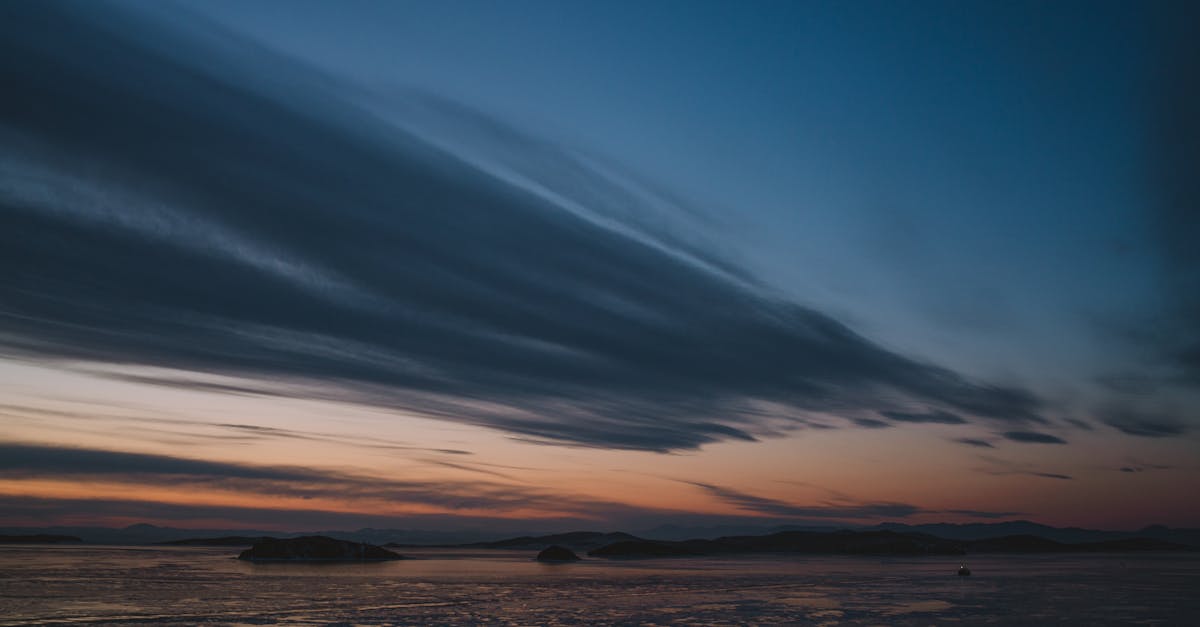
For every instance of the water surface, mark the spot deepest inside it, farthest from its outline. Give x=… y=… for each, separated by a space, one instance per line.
x=88 y=585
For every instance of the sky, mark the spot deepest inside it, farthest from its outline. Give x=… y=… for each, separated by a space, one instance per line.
x=604 y=265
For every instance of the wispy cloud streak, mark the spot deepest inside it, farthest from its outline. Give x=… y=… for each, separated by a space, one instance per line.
x=1002 y=467
x=773 y=507
x=841 y=508
x=28 y=461
x=933 y=417
x=1033 y=437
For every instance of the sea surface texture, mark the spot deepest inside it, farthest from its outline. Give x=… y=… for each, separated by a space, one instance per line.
x=103 y=585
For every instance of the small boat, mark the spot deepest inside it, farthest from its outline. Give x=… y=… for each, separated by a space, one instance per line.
x=963 y=571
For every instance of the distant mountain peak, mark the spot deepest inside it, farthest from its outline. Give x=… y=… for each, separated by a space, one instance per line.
x=142 y=527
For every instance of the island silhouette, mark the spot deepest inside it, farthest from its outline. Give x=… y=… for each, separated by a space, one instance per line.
x=315 y=549
x=556 y=553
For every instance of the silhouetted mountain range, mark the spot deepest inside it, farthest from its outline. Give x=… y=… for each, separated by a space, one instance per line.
x=221 y=541
x=578 y=540
x=974 y=536
x=1066 y=535
x=843 y=542
x=883 y=542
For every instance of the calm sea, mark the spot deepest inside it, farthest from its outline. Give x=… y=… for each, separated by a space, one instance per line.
x=87 y=585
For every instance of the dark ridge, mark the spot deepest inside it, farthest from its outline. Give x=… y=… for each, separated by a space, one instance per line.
x=647 y=548
x=1063 y=535
x=578 y=540
x=872 y=543
x=316 y=549
x=843 y=542
x=221 y=541
x=811 y=542
x=582 y=541
x=1022 y=543
x=38 y=538
x=557 y=553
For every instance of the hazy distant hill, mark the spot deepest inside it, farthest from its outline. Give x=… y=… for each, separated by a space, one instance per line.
x=880 y=542
x=587 y=540
x=681 y=532
x=1068 y=535
x=809 y=542
x=221 y=541
x=580 y=540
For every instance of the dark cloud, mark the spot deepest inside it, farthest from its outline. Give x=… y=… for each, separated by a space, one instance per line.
x=936 y=417
x=476 y=468
x=1003 y=467
x=772 y=507
x=975 y=442
x=1051 y=475
x=376 y=443
x=218 y=209
x=195 y=385
x=1079 y=424
x=1136 y=465
x=1132 y=422
x=1033 y=437
x=871 y=423
x=21 y=460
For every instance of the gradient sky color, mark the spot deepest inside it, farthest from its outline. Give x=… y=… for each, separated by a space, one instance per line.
x=547 y=265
